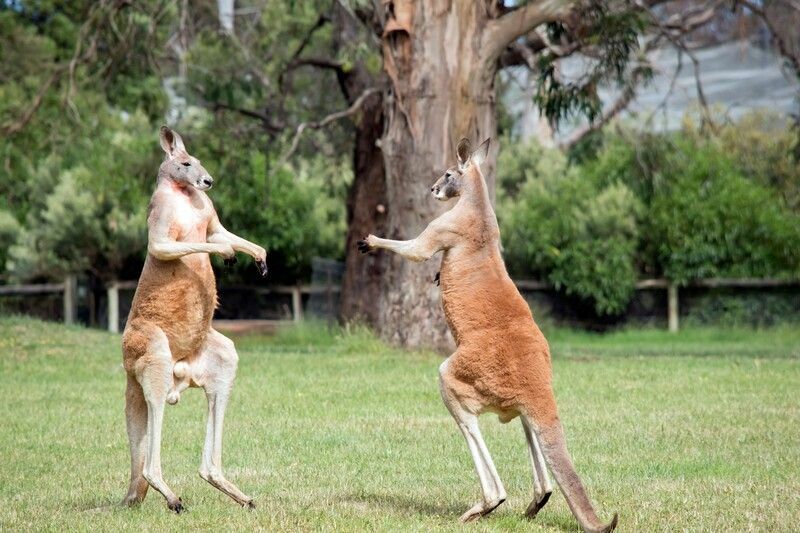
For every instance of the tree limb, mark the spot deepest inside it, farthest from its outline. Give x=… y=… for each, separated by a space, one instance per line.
x=265 y=119
x=13 y=127
x=520 y=21
x=680 y=45
x=783 y=47
x=354 y=107
x=619 y=105
x=319 y=62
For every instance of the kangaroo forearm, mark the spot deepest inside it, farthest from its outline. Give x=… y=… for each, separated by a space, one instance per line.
x=237 y=243
x=167 y=251
x=414 y=250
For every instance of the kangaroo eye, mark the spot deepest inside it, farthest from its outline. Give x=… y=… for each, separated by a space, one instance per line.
x=186 y=164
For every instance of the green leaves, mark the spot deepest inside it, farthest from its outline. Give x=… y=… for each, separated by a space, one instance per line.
x=570 y=231
x=615 y=37
x=711 y=221
x=681 y=206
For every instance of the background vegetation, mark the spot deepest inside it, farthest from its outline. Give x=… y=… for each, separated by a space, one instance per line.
x=621 y=205
x=626 y=205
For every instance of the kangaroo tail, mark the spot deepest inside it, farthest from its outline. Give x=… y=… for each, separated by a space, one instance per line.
x=554 y=448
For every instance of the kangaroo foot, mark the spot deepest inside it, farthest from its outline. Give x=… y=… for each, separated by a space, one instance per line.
x=537 y=504
x=176 y=506
x=481 y=509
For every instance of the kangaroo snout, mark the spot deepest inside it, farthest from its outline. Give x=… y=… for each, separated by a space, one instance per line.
x=208 y=181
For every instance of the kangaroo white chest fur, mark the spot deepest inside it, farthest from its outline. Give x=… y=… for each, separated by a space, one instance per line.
x=192 y=212
x=169 y=344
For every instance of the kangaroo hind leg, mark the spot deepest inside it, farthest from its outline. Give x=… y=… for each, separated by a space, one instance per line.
x=492 y=488
x=550 y=436
x=136 y=422
x=542 y=487
x=154 y=373
x=218 y=363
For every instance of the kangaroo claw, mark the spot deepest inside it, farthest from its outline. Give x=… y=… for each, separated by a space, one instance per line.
x=230 y=261
x=363 y=246
x=262 y=267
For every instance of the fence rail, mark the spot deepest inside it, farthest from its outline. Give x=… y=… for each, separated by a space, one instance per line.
x=68 y=288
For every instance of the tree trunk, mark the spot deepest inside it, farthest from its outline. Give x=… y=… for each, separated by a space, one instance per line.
x=366 y=208
x=440 y=58
x=366 y=201
x=440 y=92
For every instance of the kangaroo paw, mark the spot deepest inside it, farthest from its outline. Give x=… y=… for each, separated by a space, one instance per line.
x=176 y=506
x=536 y=505
x=480 y=509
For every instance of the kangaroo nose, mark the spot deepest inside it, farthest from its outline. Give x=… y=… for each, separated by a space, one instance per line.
x=208 y=181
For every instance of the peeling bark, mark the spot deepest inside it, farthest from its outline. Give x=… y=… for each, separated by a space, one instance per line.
x=439 y=93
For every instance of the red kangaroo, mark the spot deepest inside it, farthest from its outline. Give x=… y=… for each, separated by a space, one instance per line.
x=502 y=361
x=169 y=344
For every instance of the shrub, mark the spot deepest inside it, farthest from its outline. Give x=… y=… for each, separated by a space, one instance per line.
x=709 y=220
x=565 y=228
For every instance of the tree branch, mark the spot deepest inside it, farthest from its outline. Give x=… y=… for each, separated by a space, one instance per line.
x=619 y=105
x=783 y=47
x=520 y=21
x=680 y=45
x=265 y=119
x=324 y=122
x=10 y=128
x=319 y=62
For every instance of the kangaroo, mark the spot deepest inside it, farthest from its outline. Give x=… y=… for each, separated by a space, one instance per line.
x=168 y=344
x=502 y=361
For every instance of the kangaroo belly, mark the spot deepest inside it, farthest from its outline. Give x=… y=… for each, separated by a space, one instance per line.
x=180 y=299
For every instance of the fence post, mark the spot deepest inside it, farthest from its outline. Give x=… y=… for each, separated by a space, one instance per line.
x=297 y=304
x=70 y=298
x=113 y=307
x=672 y=307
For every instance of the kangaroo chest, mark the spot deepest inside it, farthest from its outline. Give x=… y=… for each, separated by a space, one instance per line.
x=190 y=219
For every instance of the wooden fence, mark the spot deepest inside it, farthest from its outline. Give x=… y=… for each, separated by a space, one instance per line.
x=69 y=290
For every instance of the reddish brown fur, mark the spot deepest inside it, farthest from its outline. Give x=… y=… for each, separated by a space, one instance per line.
x=168 y=343
x=502 y=361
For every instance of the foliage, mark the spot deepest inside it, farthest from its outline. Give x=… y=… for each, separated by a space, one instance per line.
x=75 y=181
x=761 y=145
x=9 y=230
x=571 y=231
x=710 y=221
x=738 y=308
x=681 y=205
x=616 y=34
x=706 y=213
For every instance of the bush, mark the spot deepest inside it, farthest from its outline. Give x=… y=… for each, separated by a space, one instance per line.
x=680 y=205
x=77 y=231
x=295 y=213
x=565 y=228
x=711 y=221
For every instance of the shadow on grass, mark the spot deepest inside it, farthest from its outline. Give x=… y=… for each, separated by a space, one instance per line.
x=450 y=512
x=406 y=504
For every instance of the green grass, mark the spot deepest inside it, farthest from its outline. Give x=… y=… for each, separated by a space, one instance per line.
x=334 y=431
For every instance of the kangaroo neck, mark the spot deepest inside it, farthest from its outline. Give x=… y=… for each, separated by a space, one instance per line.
x=166 y=183
x=475 y=194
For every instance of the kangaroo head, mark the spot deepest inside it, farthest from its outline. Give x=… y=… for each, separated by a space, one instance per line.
x=451 y=183
x=179 y=166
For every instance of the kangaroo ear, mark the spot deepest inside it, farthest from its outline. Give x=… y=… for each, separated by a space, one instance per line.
x=480 y=155
x=171 y=142
x=462 y=151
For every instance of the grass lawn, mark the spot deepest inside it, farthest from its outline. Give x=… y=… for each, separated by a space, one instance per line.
x=334 y=431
